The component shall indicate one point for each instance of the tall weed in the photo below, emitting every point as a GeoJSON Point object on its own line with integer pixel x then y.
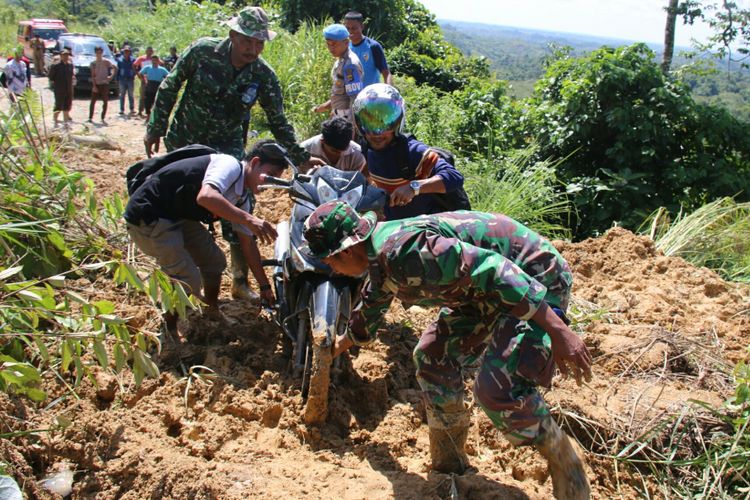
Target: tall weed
{"type": "Point", "coordinates": [177, 23]}
{"type": "Point", "coordinates": [528, 192]}
{"type": "Point", "coordinates": [716, 235]}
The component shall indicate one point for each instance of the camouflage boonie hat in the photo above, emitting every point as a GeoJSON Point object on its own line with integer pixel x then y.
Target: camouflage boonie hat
{"type": "Point", "coordinates": [252, 22]}
{"type": "Point", "coordinates": [336, 226]}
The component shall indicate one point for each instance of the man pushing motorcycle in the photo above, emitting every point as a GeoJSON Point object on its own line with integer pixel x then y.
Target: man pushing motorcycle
{"type": "Point", "coordinates": [503, 292]}
{"type": "Point", "coordinates": [166, 214]}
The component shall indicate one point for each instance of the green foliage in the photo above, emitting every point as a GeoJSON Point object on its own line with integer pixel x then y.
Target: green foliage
{"type": "Point", "coordinates": [488, 121]}
{"type": "Point", "coordinates": [9, 17]}
{"type": "Point", "coordinates": [431, 115]}
{"type": "Point", "coordinates": [717, 235]}
{"type": "Point", "coordinates": [52, 234]}
{"type": "Point", "coordinates": [429, 59]}
{"type": "Point", "coordinates": [390, 22]}
{"type": "Point", "coordinates": [177, 23]}
{"type": "Point", "coordinates": [633, 140]}
{"type": "Point", "coordinates": [522, 189]}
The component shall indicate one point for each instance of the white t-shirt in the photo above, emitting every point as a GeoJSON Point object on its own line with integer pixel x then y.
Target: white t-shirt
{"type": "Point", "coordinates": [226, 174]}
{"type": "Point", "coordinates": [351, 159]}
{"type": "Point", "coordinates": [15, 76]}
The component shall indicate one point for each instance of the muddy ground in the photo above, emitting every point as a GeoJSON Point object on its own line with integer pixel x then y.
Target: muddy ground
{"type": "Point", "coordinates": [661, 332]}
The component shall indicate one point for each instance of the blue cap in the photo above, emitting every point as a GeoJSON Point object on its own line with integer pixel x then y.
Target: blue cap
{"type": "Point", "coordinates": [336, 32]}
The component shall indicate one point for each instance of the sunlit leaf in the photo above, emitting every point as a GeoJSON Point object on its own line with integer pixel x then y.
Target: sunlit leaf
{"type": "Point", "coordinates": [11, 271]}
{"type": "Point", "coordinates": [67, 355]}
{"type": "Point", "coordinates": [101, 353]}
{"type": "Point", "coordinates": [104, 306]}
{"type": "Point", "coordinates": [29, 295]}
{"type": "Point", "coordinates": [58, 280]}
{"type": "Point", "coordinates": [149, 367]}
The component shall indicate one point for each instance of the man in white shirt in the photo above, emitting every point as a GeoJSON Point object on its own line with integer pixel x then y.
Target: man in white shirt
{"type": "Point", "coordinates": [335, 147]}
{"type": "Point", "coordinates": [167, 212]}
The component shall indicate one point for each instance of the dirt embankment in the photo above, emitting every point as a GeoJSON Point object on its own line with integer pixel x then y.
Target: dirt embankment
{"type": "Point", "coordinates": [661, 332]}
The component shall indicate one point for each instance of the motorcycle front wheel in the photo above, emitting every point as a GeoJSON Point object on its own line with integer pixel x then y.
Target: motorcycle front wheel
{"type": "Point", "coordinates": [316, 375]}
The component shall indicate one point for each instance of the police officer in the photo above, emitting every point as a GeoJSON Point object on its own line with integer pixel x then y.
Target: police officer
{"type": "Point", "coordinates": [222, 80]}
{"type": "Point", "coordinates": [503, 290]}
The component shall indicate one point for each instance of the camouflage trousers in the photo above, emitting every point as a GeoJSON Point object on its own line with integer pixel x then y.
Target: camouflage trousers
{"type": "Point", "coordinates": [517, 358]}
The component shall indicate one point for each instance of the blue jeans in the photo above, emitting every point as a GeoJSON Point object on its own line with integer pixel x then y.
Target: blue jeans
{"type": "Point", "coordinates": [126, 86]}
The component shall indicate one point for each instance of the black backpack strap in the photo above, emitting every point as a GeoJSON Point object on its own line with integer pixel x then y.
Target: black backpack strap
{"type": "Point", "coordinates": [402, 156]}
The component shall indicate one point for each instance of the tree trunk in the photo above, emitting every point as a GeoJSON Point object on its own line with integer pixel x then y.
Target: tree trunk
{"type": "Point", "coordinates": [669, 36]}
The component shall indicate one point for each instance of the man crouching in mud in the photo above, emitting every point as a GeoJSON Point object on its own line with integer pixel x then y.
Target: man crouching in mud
{"type": "Point", "coordinates": [503, 290]}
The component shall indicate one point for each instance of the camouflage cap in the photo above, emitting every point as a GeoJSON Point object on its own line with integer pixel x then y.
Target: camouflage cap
{"type": "Point", "coordinates": [252, 22]}
{"type": "Point", "coordinates": [336, 226]}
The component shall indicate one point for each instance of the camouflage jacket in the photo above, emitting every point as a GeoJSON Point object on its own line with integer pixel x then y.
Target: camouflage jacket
{"type": "Point", "coordinates": [458, 259]}
{"type": "Point", "coordinates": [215, 101]}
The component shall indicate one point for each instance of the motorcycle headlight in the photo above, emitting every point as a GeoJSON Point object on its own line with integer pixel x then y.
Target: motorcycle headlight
{"type": "Point", "coordinates": [352, 197]}
{"type": "Point", "coordinates": [325, 192]}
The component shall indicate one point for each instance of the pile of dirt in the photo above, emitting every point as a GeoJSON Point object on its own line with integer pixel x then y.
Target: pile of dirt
{"type": "Point", "coordinates": [661, 332]}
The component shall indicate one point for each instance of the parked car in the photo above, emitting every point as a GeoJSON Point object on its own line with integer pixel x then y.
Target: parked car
{"type": "Point", "coordinates": [48, 30]}
{"type": "Point", "coordinates": [82, 46]}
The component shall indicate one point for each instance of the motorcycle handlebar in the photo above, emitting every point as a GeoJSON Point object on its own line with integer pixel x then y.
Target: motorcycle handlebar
{"type": "Point", "coordinates": [269, 179]}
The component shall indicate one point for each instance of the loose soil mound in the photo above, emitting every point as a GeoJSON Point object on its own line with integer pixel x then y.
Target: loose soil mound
{"type": "Point", "coordinates": [661, 332]}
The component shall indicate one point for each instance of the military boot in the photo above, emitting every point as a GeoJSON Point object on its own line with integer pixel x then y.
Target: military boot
{"type": "Point", "coordinates": [448, 433]}
{"type": "Point", "coordinates": [569, 480]}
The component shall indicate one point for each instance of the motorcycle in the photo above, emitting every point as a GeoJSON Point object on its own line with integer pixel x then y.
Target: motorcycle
{"type": "Point", "coordinates": [313, 305]}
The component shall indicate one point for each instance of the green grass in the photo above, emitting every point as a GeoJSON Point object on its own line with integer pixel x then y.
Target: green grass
{"type": "Point", "coordinates": [519, 189]}
{"type": "Point", "coordinates": [717, 236]}
{"type": "Point", "coordinates": [303, 65]}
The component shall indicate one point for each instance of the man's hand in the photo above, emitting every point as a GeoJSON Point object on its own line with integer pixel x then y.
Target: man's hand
{"type": "Point", "coordinates": [263, 230]}
{"type": "Point", "coordinates": [568, 350]}
{"type": "Point", "coordinates": [402, 196]}
{"type": "Point", "coordinates": [341, 345]}
{"type": "Point", "coordinates": [310, 165]}
{"type": "Point", "coordinates": [151, 143]}
{"type": "Point", "coordinates": [267, 297]}
{"type": "Point", "coordinates": [571, 356]}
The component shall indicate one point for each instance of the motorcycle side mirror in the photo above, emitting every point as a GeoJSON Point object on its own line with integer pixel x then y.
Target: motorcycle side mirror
{"type": "Point", "coordinates": [275, 151]}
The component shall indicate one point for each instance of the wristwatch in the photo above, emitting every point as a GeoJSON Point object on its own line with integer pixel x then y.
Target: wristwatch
{"type": "Point", "coordinates": [414, 185]}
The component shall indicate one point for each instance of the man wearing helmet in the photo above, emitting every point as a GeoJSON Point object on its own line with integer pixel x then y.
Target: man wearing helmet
{"type": "Point", "coordinates": [503, 292]}
{"type": "Point", "coordinates": [379, 116]}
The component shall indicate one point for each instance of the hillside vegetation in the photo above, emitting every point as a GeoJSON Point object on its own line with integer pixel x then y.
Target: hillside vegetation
{"type": "Point", "coordinates": [520, 56]}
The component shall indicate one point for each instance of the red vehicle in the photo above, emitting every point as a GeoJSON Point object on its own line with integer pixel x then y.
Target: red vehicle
{"type": "Point", "coordinates": [47, 29]}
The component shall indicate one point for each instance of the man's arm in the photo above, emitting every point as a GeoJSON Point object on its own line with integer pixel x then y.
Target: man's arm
{"type": "Point", "coordinates": [378, 57]}
{"type": "Point", "coordinates": [366, 319]}
{"type": "Point", "coordinates": [213, 201]}
{"type": "Point", "coordinates": [271, 101]}
{"type": "Point", "coordinates": [168, 91]}
{"type": "Point", "coordinates": [468, 267]}
{"type": "Point", "coordinates": [252, 257]}
{"type": "Point", "coordinates": [434, 175]}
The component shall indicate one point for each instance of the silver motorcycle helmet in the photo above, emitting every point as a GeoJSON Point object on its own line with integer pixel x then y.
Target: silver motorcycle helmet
{"type": "Point", "coordinates": [379, 107]}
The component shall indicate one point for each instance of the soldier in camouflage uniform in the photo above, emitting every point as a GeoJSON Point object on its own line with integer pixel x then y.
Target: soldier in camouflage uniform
{"type": "Point", "coordinates": [222, 80]}
{"type": "Point", "coordinates": [503, 290]}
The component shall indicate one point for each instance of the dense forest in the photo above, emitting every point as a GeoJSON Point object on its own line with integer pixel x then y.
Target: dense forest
{"type": "Point", "coordinates": [519, 56]}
